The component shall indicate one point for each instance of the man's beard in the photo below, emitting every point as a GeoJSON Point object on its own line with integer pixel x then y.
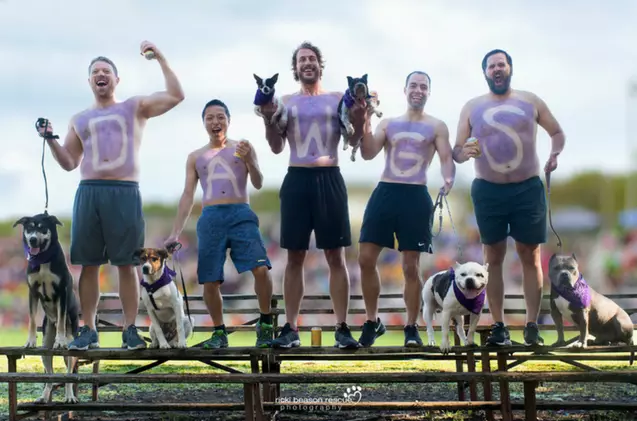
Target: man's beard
{"type": "Point", "coordinates": [312, 79]}
{"type": "Point", "coordinates": [503, 88]}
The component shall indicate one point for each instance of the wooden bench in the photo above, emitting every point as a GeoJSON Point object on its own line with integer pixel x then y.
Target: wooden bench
{"type": "Point", "coordinates": [254, 406]}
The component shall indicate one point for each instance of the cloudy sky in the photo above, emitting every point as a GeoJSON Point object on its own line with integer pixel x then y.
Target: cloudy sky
{"type": "Point", "coordinates": [577, 55]}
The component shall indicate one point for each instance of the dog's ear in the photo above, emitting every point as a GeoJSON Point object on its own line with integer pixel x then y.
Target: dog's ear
{"type": "Point", "coordinates": [55, 220]}
{"type": "Point", "coordinates": [364, 78]}
{"type": "Point", "coordinates": [553, 257]}
{"type": "Point", "coordinates": [573, 256]}
{"type": "Point", "coordinates": [21, 221]}
{"type": "Point", "coordinates": [275, 78]}
{"type": "Point", "coordinates": [486, 267]}
{"type": "Point", "coordinates": [163, 253]}
{"type": "Point", "coordinates": [258, 79]}
{"type": "Point", "coordinates": [456, 265]}
{"type": "Point", "coordinates": [350, 80]}
{"type": "Point", "coordinates": [138, 253]}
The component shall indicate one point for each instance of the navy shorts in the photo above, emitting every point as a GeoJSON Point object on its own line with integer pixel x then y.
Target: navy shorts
{"type": "Point", "coordinates": [223, 227]}
{"type": "Point", "coordinates": [403, 210]}
{"type": "Point", "coordinates": [108, 223]}
{"type": "Point", "coordinates": [515, 209]}
{"type": "Point", "coordinates": [314, 199]}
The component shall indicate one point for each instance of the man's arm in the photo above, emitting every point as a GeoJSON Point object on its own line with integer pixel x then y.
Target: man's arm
{"type": "Point", "coordinates": [549, 123]}
{"type": "Point", "coordinates": [462, 134]}
{"type": "Point", "coordinates": [68, 155]}
{"type": "Point", "coordinates": [372, 144]}
{"type": "Point", "coordinates": [443, 147]}
{"type": "Point", "coordinates": [256, 177]}
{"type": "Point", "coordinates": [187, 197]}
{"type": "Point", "coordinates": [275, 138]}
{"type": "Point", "coordinates": [161, 102]}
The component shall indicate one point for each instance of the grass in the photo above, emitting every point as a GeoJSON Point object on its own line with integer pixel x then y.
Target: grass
{"type": "Point", "coordinates": [371, 392]}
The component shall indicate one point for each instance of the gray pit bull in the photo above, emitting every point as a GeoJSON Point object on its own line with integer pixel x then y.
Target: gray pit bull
{"type": "Point", "coordinates": [572, 298]}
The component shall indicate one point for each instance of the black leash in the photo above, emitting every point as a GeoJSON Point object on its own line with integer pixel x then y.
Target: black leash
{"type": "Point", "coordinates": [441, 200]}
{"type": "Point", "coordinates": [173, 249]}
{"type": "Point", "coordinates": [43, 123]}
{"type": "Point", "coordinates": [548, 193]}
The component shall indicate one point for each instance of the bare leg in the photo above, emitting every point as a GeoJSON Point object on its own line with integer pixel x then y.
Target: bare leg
{"type": "Point", "coordinates": [294, 286]}
{"type": "Point", "coordinates": [339, 283]}
{"type": "Point", "coordinates": [214, 301]}
{"type": "Point", "coordinates": [89, 289]}
{"type": "Point", "coordinates": [532, 272]}
{"type": "Point", "coordinates": [494, 256]}
{"type": "Point", "coordinates": [129, 293]}
{"type": "Point", "coordinates": [413, 286]}
{"type": "Point", "coordinates": [370, 278]}
{"type": "Point", "coordinates": [263, 288]}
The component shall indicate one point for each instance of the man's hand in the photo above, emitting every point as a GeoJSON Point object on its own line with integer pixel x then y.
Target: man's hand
{"type": "Point", "coordinates": [551, 164]}
{"type": "Point", "coordinates": [268, 110]}
{"type": "Point", "coordinates": [149, 46]}
{"type": "Point", "coordinates": [46, 131]}
{"type": "Point", "coordinates": [245, 151]}
{"type": "Point", "coordinates": [446, 188]}
{"type": "Point", "coordinates": [170, 241]}
{"type": "Point", "coordinates": [358, 114]}
{"type": "Point", "coordinates": [470, 150]}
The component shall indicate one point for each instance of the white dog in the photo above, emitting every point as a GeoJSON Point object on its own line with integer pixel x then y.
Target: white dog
{"type": "Point", "coordinates": [455, 293]}
{"type": "Point", "coordinates": [169, 326]}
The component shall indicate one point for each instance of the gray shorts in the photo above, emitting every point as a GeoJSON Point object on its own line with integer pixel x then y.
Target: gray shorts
{"type": "Point", "coordinates": [108, 223]}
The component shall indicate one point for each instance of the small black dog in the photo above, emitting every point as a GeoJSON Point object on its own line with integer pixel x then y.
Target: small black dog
{"type": "Point", "coordinates": [51, 284]}
{"type": "Point", "coordinates": [357, 92]}
{"type": "Point", "coordinates": [265, 95]}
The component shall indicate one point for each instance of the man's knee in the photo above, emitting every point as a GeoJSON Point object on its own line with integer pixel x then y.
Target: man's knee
{"type": "Point", "coordinates": [411, 265]}
{"type": "Point", "coordinates": [494, 253]}
{"type": "Point", "coordinates": [261, 273]}
{"type": "Point", "coordinates": [296, 258]}
{"type": "Point", "coordinates": [211, 287]}
{"type": "Point", "coordinates": [367, 258]}
{"type": "Point", "coordinates": [335, 258]}
{"type": "Point", "coordinates": [529, 254]}
{"type": "Point", "coordinates": [89, 273]}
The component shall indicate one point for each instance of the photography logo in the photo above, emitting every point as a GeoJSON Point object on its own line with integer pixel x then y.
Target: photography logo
{"type": "Point", "coordinates": [352, 395]}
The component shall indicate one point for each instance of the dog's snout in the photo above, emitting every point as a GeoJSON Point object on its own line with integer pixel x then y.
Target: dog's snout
{"type": "Point", "coordinates": [564, 277]}
{"type": "Point", "coordinates": [33, 241]}
{"type": "Point", "coordinates": [470, 283]}
{"type": "Point", "coordinates": [146, 270]}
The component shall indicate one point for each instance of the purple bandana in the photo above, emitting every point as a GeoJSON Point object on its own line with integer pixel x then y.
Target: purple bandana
{"type": "Point", "coordinates": [474, 305]}
{"type": "Point", "coordinates": [261, 99]}
{"type": "Point", "coordinates": [348, 100]}
{"type": "Point", "coordinates": [166, 278]}
{"type": "Point", "coordinates": [579, 295]}
{"type": "Point", "coordinates": [35, 260]}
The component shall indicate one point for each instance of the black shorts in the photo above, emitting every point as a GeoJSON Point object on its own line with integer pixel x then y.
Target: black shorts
{"type": "Point", "coordinates": [403, 210]}
{"type": "Point", "coordinates": [314, 199]}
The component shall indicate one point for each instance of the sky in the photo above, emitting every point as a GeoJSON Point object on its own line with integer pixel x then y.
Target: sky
{"type": "Point", "coordinates": [578, 56]}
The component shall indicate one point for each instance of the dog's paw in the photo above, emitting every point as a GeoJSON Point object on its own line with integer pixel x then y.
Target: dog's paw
{"type": "Point", "coordinates": [31, 343]}
{"type": "Point", "coordinates": [470, 343]}
{"type": "Point", "coordinates": [154, 345]}
{"type": "Point", "coordinates": [578, 345]}
{"type": "Point", "coordinates": [181, 344]}
{"type": "Point", "coordinates": [345, 145]}
{"type": "Point", "coordinates": [41, 399]}
{"type": "Point", "coordinates": [379, 114]}
{"type": "Point", "coordinates": [70, 399]}
{"type": "Point", "coordinates": [61, 343]}
{"type": "Point", "coordinates": [349, 129]}
{"type": "Point", "coordinates": [431, 342]}
{"type": "Point", "coordinates": [445, 347]}
{"type": "Point", "coordinates": [165, 345]}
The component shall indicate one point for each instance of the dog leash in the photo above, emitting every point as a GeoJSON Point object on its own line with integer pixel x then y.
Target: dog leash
{"type": "Point", "coordinates": [174, 248]}
{"type": "Point", "coordinates": [441, 201]}
{"type": "Point", "coordinates": [43, 123]}
{"type": "Point", "coordinates": [548, 193]}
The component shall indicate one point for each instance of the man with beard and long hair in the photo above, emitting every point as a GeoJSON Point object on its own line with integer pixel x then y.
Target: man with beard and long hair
{"type": "Point", "coordinates": [400, 205]}
{"type": "Point", "coordinates": [108, 222]}
{"type": "Point", "coordinates": [507, 193]}
{"type": "Point", "coordinates": [313, 194]}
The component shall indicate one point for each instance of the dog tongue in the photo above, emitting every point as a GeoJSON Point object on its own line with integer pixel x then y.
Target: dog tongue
{"type": "Point", "coordinates": [472, 293]}
{"type": "Point", "coordinates": [34, 250]}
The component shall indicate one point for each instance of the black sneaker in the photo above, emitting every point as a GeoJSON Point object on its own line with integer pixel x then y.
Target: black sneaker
{"type": "Point", "coordinates": [264, 335]}
{"type": "Point", "coordinates": [86, 338]}
{"type": "Point", "coordinates": [412, 337]}
{"type": "Point", "coordinates": [532, 335]}
{"type": "Point", "coordinates": [343, 337]}
{"type": "Point", "coordinates": [288, 338]}
{"type": "Point", "coordinates": [370, 332]}
{"type": "Point", "coordinates": [132, 340]}
{"type": "Point", "coordinates": [499, 335]}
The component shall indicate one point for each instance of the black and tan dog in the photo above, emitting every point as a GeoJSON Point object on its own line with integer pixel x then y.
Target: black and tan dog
{"type": "Point", "coordinates": [573, 299]}
{"type": "Point", "coordinates": [51, 284]}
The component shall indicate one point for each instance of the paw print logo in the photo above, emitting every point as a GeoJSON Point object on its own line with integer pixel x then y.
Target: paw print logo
{"type": "Point", "coordinates": [353, 394]}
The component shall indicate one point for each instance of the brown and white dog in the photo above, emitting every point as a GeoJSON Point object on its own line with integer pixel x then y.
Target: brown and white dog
{"type": "Point", "coordinates": [169, 326]}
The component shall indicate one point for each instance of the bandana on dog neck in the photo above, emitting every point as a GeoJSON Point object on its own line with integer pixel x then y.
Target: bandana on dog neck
{"type": "Point", "coordinates": [474, 305]}
{"type": "Point", "coordinates": [261, 99]}
{"type": "Point", "coordinates": [579, 295]}
{"type": "Point", "coordinates": [35, 260]}
{"type": "Point", "coordinates": [166, 278]}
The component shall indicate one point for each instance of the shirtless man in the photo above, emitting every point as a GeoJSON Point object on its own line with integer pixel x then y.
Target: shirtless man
{"type": "Point", "coordinates": [313, 194]}
{"type": "Point", "coordinates": [226, 220]}
{"type": "Point", "coordinates": [507, 193]}
{"type": "Point", "coordinates": [400, 205]}
{"type": "Point", "coordinates": [108, 223]}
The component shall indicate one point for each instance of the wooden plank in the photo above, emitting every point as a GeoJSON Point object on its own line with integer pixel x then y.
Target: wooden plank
{"type": "Point", "coordinates": [530, 408]}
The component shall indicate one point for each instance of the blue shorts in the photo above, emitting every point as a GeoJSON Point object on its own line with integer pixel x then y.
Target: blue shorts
{"type": "Point", "coordinates": [403, 210]}
{"type": "Point", "coordinates": [233, 226]}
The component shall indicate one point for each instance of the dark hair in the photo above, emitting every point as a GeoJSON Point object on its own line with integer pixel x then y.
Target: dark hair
{"type": "Point", "coordinates": [417, 72]}
{"type": "Point", "coordinates": [215, 102]}
{"type": "Point", "coordinates": [492, 52]}
{"type": "Point", "coordinates": [105, 60]}
{"type": "Point", "coordinates": [306, 45]}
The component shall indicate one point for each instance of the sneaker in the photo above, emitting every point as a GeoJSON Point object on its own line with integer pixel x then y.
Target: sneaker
{"type": "Point", "coordinates": [371, 331]}
{"type": "Point", "coordinates": [264, 335]}
{"type": "Point", "coordinates": [343, 337]}
{"type": "Point", "coordinates": [532, 335]}
{"type": "Point", "coordinates": [288, 338]}
{"type": "Point", "coordinates": [218, 340]}
{"type": "Point", "coordinates": [412, 337]}
{"type": "Point", "coordinates": [132, 340]}
{"type": "Point", "coordinates": [86, 338]}
{"type": "Point", "coordinates": [499, 335]}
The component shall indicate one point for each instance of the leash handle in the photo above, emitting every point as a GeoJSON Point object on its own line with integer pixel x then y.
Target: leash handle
{"type": "Point", "coordinates": [547, 176]}
{"type": "Point", "coordinates": [441, 200]}
{"type": "Point", "coordinates": [44, 123]}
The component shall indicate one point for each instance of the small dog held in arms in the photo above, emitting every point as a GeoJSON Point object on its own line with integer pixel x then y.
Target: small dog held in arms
{"type": "Point", "coordinates": [265, 95]}
{"type": "Point", "coordinates": [357, 92]}
{"type": "Point", "coordinates": [169, 326]}
{"type": "Point", "coordinates": [51, 284]}
{"type": "Point", "coordinates": [574, 300]}
{"type": "Point", "coordinates": [455, 293]}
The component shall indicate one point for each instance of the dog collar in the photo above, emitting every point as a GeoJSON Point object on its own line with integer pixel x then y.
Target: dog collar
{"type": "Point", "coordinates": [579, 295]}
{"type": "Point", "coordinates": [35, 260]}
{"type": "Point", "coordinates": [166, 278]}
{"type": "Point", "coordinates": [474, 305]}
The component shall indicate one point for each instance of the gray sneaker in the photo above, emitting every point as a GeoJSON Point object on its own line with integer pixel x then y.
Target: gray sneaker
{"type": "Point", "coordinates": [86, 338]}
{"type": "Point", "coordinates": [132, 340]}
{"type": "Point", "coordinates": [264, 335]}
{"type": "Point", "coordinates": [219, 339]}
{"type": "Point", "coordinates": [532, 335]}
{"type": "Point", "coordinates": [288, 338]}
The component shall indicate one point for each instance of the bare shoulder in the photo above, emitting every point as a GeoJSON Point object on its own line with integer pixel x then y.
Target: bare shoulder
{"type": "Point", "coordinates": [192, 156]}
{"type": "Point", "coordinates": [474, 102]}
{"type": "Point", "coordinates": [529, 97]}
{"type": "Point", "coordinates": [337, 94]}
{"type": "Point", "coordinates": [286, 98]}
